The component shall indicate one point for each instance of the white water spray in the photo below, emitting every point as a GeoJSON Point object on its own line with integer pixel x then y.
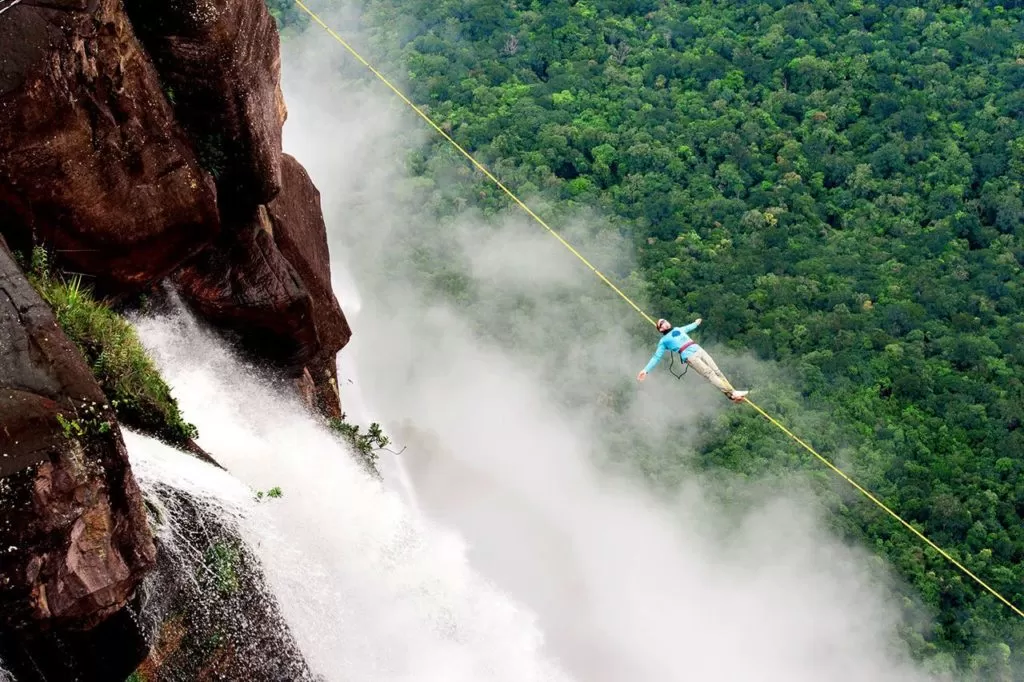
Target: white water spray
{"type": "Point", "coordinates": [371, 592]}
{"type": "Point", "coordinates": [391, 466]}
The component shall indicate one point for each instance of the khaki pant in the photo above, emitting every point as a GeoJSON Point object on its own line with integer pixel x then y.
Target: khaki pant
{"type": "Point", "coordinates": [706, 367]}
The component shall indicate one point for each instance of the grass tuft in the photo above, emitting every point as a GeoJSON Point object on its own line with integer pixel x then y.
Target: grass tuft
{"type": "Point", "coordinates": [141, 398]}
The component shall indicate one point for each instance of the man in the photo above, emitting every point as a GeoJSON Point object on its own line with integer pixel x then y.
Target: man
{"type": "Point", "coordinates": [676, 340]}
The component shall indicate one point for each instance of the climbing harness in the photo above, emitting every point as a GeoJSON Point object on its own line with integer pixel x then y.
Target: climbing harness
{"type": "Point", "coordinates": [511, 195]}
{"type": "Point", "coordinates": [672, 363]}
{"type": "Point", "coordinates": [672, 360]}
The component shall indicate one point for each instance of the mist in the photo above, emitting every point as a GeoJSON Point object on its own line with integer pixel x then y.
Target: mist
{"type": "Point", "coordinates": [506, 370]}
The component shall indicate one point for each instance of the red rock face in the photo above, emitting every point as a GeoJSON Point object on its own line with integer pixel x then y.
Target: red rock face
{"type": "Point", "coordinates": [73, 532]}
{"type": "Point", "coordinates": [244, 284]}
{"type": "Point", "coordinates": [301, 235]}
{"type": "Point", "coordinates": [124, 158]}
{"type": "Point", "coordinates": [269, 282]}
{"type": "Point", "coordinates": [221, 59]}
{"type": "Point", "coordinates": [93, 164]}
{"type": "Point", "coordinates": [91, 159]}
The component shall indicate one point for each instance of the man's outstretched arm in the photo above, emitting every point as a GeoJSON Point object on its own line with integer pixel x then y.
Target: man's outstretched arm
{"type": "Point", "coordinates": [655, 359]}
{"type": "Point", "coordinates": [693, 325]}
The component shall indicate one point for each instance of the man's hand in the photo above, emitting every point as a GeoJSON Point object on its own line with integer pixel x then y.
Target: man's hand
{"type": "Point", "coordinates": [698, 320]}
{"type": "Point", "coordinates": [641, 376]}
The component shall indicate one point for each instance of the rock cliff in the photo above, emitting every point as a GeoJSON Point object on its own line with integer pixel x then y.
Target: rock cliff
{"type": "Point", "coordinates": [92, 161]}
{"type": "Point", "coordinates": [143, 141]}
{"type": "Point", "coordinates": [140, 144]}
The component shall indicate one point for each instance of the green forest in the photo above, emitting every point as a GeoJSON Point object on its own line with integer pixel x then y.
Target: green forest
{"type": "Point", "coordinates": [835, 187]}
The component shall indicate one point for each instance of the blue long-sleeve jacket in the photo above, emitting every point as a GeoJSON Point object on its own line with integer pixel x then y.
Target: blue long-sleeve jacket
{"type": "Point", "coordinates": [672, 342]}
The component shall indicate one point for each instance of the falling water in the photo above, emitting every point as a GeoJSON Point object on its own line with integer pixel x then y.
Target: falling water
{"type": "Point", "coordinates": [369, 590]}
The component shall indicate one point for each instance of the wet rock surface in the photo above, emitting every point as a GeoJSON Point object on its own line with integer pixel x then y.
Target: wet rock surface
{"type": "Point", "coordinates": [74, 537]}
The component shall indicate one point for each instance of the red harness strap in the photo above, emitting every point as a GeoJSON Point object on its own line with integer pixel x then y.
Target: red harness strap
{"type": "Point", "coordinates": [684, 347]}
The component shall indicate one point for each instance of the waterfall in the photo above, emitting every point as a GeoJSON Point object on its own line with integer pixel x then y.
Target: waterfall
{"type": "Point", "coordinates": [369, 590]}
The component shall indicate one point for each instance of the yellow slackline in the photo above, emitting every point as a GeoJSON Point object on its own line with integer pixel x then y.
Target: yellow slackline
{"type": "Point", "coordinates": [647, 317]}
{"type": "Point", "coordinates": [888, 510]}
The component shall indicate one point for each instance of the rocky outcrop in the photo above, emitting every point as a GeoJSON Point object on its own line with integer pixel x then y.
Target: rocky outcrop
{"type": "Point", "coordinates": [74, 538]}
{"type": "Point", "coordinates": [301, 236]}
{"type": "Point", "coordinates": [221, 61]}
{"type": "Point", "coordinates": [268, 281]}
{"type": "Point", "coordinates": [209, 613]}
{"type": "Point", "coordinates": [244, 284]}
{"type": "Point", "coordinates": [92, 161]}
{"type": "Point", "coordinates": [94, 164]}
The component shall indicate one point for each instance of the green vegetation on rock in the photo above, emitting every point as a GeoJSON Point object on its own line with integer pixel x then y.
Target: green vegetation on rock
{"type": "Point", "coordinates": [220, 563]}
{"type": "Point", "coordinates": [140, 397]}
{"type": "Point", "coordinates": [363, 445]}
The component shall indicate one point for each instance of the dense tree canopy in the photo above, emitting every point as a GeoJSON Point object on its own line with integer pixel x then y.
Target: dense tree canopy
{"type": "Point", "coordinates": [836, 186]}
